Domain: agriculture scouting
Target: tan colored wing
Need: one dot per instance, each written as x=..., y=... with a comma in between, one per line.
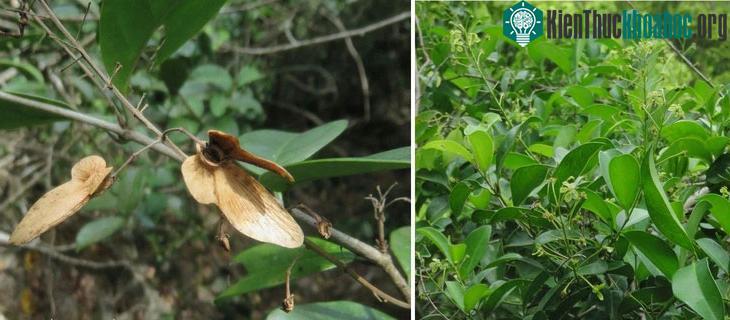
x=252, y=210
x=199, y=180
x=51, y=209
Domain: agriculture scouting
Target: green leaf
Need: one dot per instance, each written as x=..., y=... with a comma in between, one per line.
x=286, y=147
x=716, y=252
x=684, y=129
x=330, y=310
x=126, y=26
x=719, y=208
x=400, y=244
x=474, y=295
x=482, y=149
x=542, y=149
x=696, y=287
x=182, y=21
x=455, y=291
x=525, y=180
x=480, y=198
x=458, y=197
x=248, y=74
x=658, y=205
x=97, y=230
x=476, y=247
x=451, y=147
x=581, y=95
x=458, y=252
x=266, y=265
x=131, y=186
x=514, y=161
x=625, y=174
x=690, y=146
x=562, y=57
x=656, y=251
x=16, y=115
x=214, y=75
x=339, y=167
x=577, y=162
x=500, y=293
x=438, y=239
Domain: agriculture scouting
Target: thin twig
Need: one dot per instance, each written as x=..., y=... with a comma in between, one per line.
x=362, y=249
x=379, y=205
x=106, y=79
x=247, y=6
x=331, y=37
x=108, y=126
x=288, y=304
x=379, y=294
x=364, y=84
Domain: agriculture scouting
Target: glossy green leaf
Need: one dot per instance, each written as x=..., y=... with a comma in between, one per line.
x=691, y=147
x=480, y=198
x=287, y=147
x=719, y=209
x=476, y=247
x=400, y=244
x=683, y=129
x=482, y=149
x=716, y=252
x=658, y=205
x=330, y=310
x=525, y=180
x=266, y=265
x=696, y=287
x=576, y=163
x=581, y=95
x=98, y=230
x=459, y=193
x=438, y=239
x=451, y=147
x=500, y=293
x=655, y=250
x=126, y=26
x=455, y=291
x=458, y=252
x=514, y=161
x=625, y=177
x=339, y=167
x=474, y=295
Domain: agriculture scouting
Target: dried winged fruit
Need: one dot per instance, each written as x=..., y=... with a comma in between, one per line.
x=212, y=176
x=89, y=177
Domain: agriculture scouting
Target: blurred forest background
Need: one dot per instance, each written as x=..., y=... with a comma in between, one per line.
x=214, y=81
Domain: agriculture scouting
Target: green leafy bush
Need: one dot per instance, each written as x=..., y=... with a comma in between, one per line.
x=108, y=77
x=581, y=179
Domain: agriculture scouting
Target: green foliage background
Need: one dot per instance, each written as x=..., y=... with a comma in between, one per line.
x=574, y=179
x=303, y=108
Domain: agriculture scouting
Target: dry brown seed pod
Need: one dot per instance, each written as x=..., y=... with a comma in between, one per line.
x=89, y=177
x=212, y=176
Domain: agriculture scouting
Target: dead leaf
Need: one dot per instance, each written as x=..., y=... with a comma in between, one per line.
x=89, y=177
